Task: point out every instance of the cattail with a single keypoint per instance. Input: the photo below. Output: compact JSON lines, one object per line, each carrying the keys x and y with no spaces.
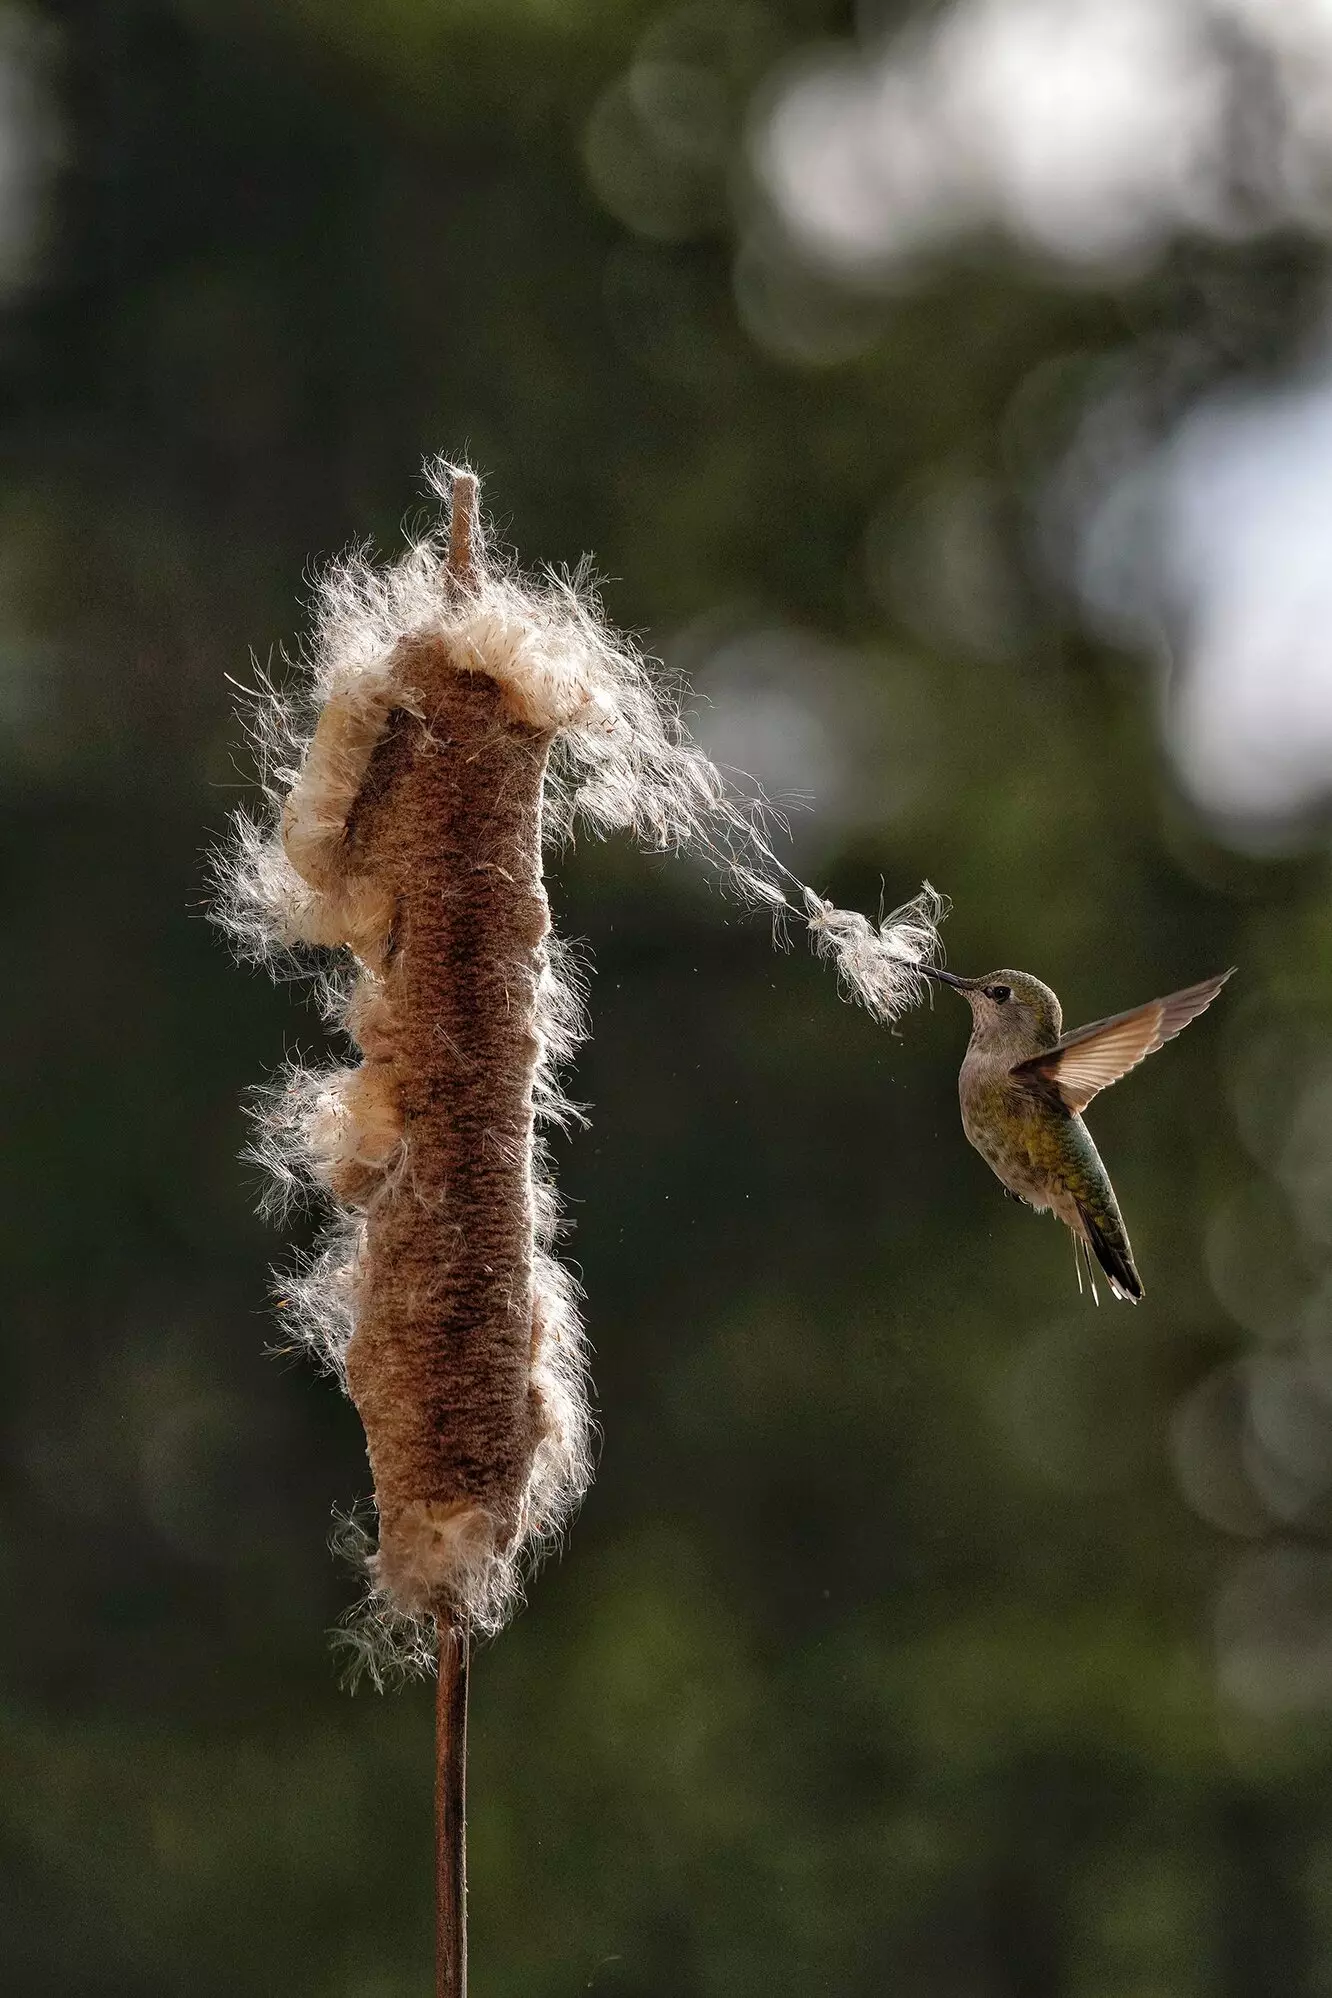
{"x":456,"y":718}
{"x":453,"y":718}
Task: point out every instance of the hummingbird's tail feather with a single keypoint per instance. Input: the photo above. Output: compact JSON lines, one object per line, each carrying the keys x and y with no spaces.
{"x":1080,"y":1248}
{"x":1115,"y":1257}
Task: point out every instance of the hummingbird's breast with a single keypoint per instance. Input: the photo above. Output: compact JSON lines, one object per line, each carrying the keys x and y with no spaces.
{"x":1027,"y":1142}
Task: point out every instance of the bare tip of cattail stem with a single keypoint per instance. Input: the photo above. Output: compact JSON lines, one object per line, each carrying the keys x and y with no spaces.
{"x":464,"y":527}
{"x":451,"y":1804}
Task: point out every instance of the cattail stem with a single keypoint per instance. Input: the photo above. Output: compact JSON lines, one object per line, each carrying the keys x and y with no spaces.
{"x":451,"y":1809}
{"x":461,"y":716}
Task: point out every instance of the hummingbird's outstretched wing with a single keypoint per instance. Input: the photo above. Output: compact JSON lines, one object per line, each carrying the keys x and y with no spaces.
{"x":1091,"y":1058}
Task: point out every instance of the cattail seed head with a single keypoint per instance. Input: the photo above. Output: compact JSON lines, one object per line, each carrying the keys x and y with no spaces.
{"x":451,"y":718}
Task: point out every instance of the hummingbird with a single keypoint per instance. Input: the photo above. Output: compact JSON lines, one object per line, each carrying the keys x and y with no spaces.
{"x":1024,"y":1086}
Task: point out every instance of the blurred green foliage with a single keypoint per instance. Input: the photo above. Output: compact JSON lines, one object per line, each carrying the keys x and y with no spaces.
{"x":890,"y":1652}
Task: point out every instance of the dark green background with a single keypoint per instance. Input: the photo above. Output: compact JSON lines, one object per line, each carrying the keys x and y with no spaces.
{"x":887,"y":1654}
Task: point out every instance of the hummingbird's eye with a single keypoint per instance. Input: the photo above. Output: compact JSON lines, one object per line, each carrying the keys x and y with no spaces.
{"x":999,"y":993}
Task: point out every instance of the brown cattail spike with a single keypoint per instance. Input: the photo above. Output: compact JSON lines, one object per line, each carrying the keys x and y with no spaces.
{"x":449,"y":823}
{"x":459,"y":715}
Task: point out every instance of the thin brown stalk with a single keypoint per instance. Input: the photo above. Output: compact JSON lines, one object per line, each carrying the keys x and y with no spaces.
{"x":451,"y":1809}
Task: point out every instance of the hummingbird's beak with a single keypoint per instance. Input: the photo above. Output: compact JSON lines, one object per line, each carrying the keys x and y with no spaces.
{"x":948,"y":978}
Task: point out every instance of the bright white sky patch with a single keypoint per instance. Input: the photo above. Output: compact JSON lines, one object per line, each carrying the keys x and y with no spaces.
{"x":1222,"y":540}
{"x":1090,"y":130}
{"x":1093,"y":133}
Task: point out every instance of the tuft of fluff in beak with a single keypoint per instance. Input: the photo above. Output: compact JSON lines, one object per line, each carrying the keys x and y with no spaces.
{"x":880,"y":965}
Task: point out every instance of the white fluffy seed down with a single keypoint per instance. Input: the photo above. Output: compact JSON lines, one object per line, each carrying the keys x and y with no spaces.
{"x":875,"y":961}
{"x":620,"y":759}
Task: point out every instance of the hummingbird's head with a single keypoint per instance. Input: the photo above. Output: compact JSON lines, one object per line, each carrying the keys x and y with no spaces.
{"x":1011,"y":1011}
